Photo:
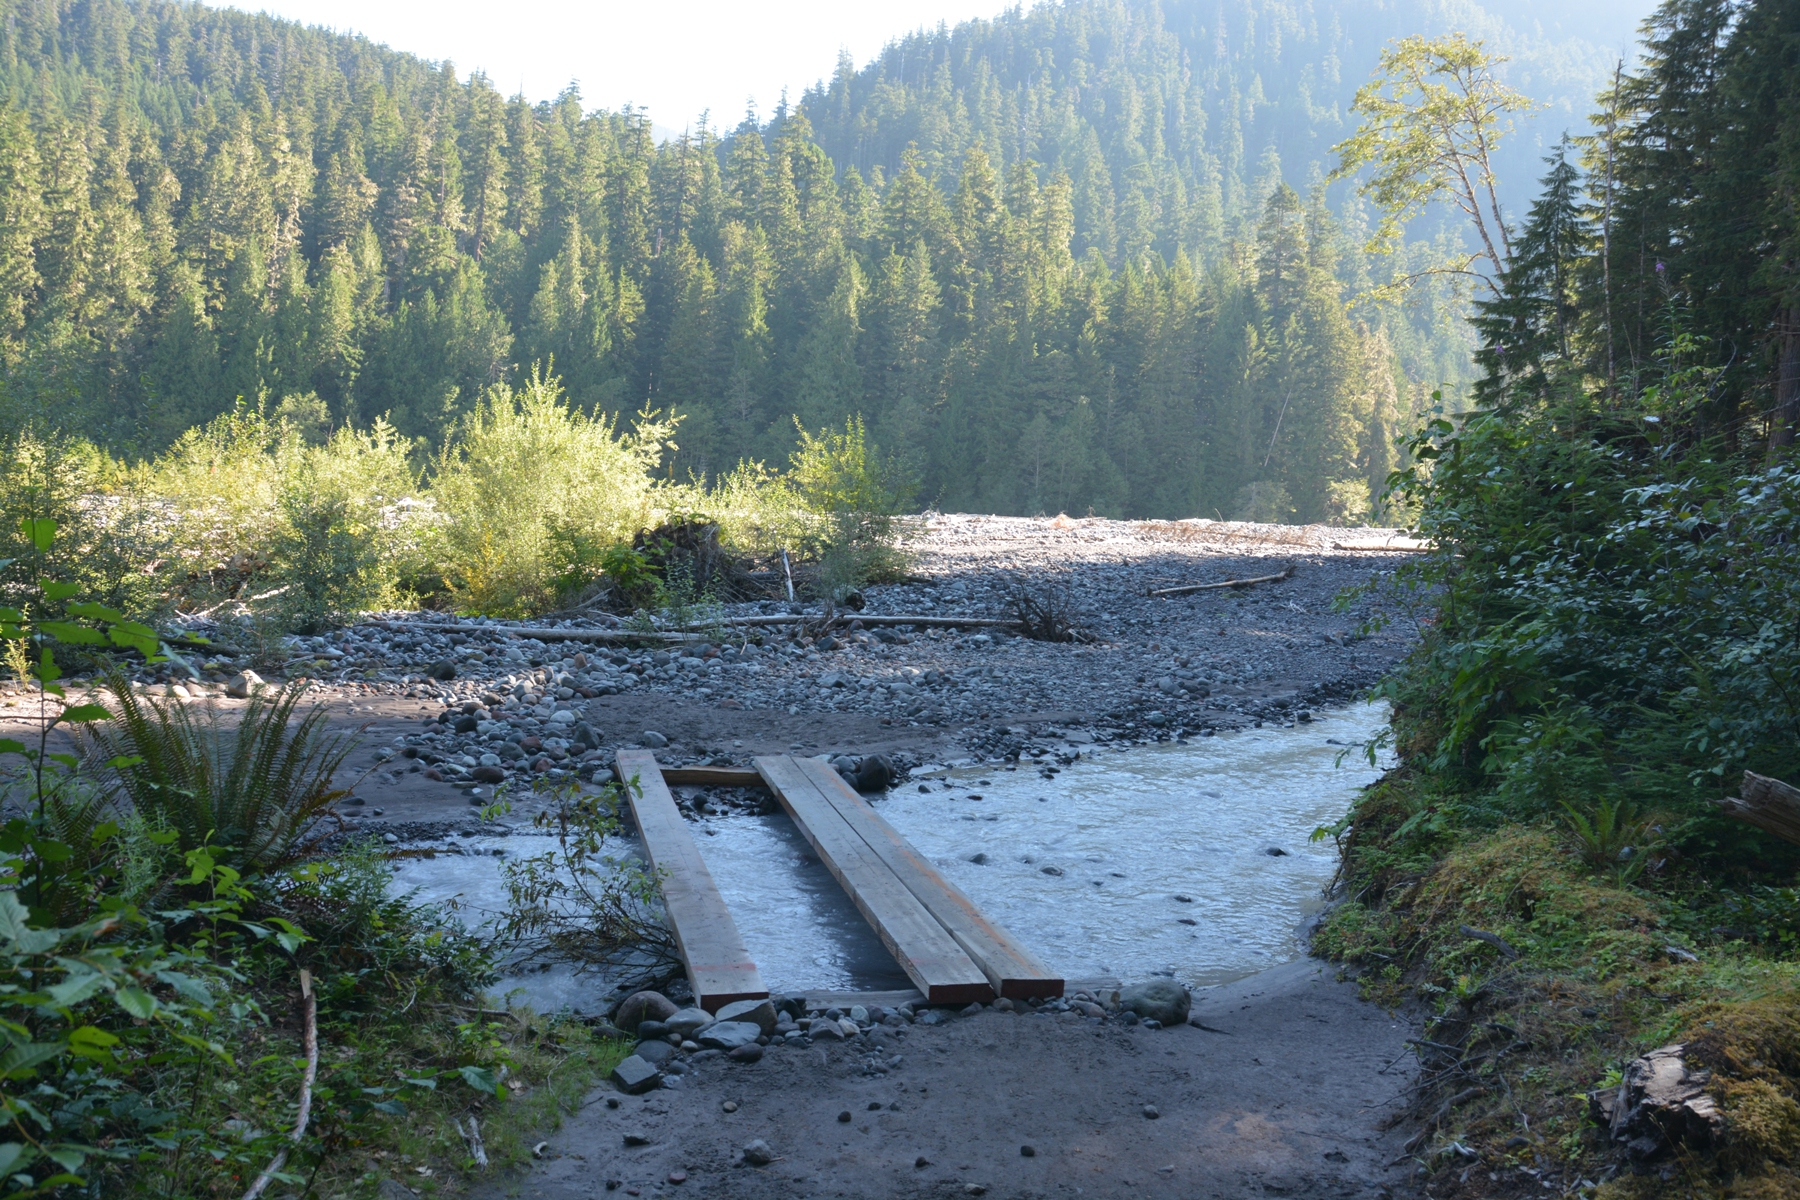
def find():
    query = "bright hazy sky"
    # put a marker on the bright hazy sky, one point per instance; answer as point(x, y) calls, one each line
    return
point(676, 57)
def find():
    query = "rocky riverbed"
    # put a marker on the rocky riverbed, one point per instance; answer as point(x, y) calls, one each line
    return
point(447, 715)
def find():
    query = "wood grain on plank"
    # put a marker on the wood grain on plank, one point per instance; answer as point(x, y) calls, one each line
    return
point(1012, 970)
point(718, 965)
point(923, 948)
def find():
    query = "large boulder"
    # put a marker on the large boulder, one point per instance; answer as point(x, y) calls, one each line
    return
point(1659, 1105)
point(689, 1021)
point(1158, 1000)
point(874, 773)
point(639, 1007)
point(760, 1013)
point(729, 1035)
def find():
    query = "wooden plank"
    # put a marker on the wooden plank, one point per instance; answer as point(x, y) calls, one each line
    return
point(929, 955)
point(1011, 969)
point(718, 965)
point(710, 777)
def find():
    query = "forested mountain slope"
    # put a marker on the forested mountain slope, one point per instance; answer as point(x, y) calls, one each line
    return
point(1169, 117)
point(199, 205)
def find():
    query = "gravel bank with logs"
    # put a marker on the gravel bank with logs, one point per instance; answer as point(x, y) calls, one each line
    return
point(447, 714)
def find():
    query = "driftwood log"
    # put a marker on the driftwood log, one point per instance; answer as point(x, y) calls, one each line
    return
point(1185, 588)
point(1768, 804)
point(603, 636)
point(869, 620)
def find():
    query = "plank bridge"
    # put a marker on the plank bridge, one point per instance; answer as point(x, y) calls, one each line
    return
point(951, 951)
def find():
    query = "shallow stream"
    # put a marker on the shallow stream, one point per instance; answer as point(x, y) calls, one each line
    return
point(1125, 864)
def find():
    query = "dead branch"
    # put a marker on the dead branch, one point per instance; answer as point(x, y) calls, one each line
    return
point(1186, 588)
point(1768, 804)
point(477, 1151)
point(1044, 612)
point(1492, 939)
point(306, 1086)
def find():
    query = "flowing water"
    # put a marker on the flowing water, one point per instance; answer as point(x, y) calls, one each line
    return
point(1128, 863)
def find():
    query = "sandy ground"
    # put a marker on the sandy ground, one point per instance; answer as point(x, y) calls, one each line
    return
point(1286, 1100)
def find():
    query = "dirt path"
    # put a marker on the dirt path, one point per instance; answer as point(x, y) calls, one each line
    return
point(1286, 1101)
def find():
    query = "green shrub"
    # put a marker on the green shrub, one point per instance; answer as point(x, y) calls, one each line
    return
point(249, 793)
point(525, 469)
point(853, 502)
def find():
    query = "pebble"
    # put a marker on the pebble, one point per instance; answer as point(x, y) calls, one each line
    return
point(1028, 1151)
point(844, 1118)
point(1151, 1112)
point(730, 1106)
point(758, 1154)
point(921, 1162)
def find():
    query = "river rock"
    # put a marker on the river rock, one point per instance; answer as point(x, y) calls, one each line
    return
point(758, 1154)
point(875, 773)
point(243, 685)
point(825, 1028)
point(760, 1013)
point(488, 774)
point(933, 1016)
point(656, 1053)
point(688, 1021)
point(443, 669)
point(1161, 1000)
point(1660, 1104)
point(634, 1075)
point(748, 1053)
point(729, 1035)
point(652, 740)
point(643, 1006)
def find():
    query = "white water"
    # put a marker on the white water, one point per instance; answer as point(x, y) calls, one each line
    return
point(1128, 830)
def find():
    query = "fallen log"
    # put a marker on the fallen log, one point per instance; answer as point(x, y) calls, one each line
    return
point(1768, 804)
point(1384, 547)
point(846, 617)
point(609, 636)
point(1186, 588)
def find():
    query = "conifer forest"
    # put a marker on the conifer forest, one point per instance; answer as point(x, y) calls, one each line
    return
point(1074, 258)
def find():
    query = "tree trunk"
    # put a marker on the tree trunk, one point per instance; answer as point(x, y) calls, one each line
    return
point(1768, 804)
point(1785, 423)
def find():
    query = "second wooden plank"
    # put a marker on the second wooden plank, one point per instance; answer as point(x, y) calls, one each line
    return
point(930, 957)
point(1013, 971)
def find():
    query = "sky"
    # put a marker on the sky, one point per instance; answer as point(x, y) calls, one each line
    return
point(677, 58)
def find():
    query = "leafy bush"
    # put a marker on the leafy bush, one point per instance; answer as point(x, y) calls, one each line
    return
point(1612, 614)
point(113, 545)
point(580, 904)
point(526, 469)
point(853, 502)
